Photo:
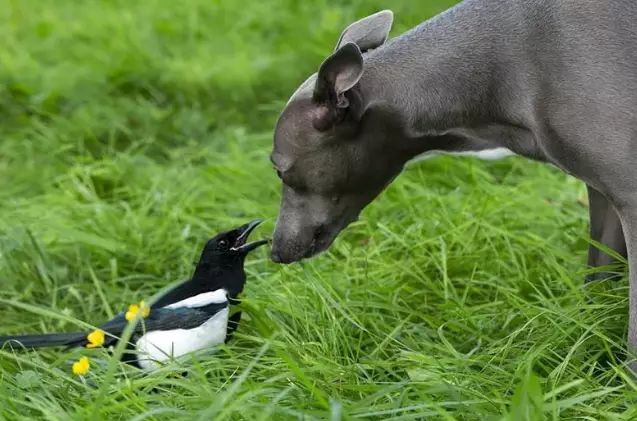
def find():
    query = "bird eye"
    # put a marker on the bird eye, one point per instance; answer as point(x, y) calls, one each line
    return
point(223, 243)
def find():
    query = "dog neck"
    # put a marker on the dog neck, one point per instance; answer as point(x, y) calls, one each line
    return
point(450, 82)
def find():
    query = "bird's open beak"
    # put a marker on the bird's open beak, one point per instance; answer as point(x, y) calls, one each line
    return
point(244, 232)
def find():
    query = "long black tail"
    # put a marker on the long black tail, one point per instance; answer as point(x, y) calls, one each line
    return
point(42, 341)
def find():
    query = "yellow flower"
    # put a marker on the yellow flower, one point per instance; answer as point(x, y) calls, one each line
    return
point(133, 309)
point(95, 338)
point(81, 367)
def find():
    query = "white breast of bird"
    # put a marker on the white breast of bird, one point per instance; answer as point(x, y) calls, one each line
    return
point(157, 347)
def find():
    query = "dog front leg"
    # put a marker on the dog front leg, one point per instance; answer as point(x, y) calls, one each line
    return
point(605, 228)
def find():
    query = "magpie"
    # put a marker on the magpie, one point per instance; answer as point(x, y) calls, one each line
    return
point(192, 316)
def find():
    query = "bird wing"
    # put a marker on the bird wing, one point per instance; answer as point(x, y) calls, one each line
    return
point(158, 319)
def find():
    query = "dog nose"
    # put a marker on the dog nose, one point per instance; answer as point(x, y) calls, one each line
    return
point(276, 257)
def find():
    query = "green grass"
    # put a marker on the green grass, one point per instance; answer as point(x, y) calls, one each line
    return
point(132, 131)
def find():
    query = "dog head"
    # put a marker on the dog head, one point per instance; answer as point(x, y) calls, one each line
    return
point(332, 152)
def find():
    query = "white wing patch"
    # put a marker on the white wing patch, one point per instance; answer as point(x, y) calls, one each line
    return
point(159, 346)
point(213, 297)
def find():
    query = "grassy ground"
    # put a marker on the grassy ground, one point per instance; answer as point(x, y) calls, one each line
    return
point(134, 130)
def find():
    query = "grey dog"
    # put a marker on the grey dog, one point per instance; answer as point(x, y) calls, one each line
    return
point(553, 81)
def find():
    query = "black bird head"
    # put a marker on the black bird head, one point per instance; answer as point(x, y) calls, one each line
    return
point(222, 259)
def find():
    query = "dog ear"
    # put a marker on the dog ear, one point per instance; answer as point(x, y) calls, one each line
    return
point(337, 75)
point(368, 33)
